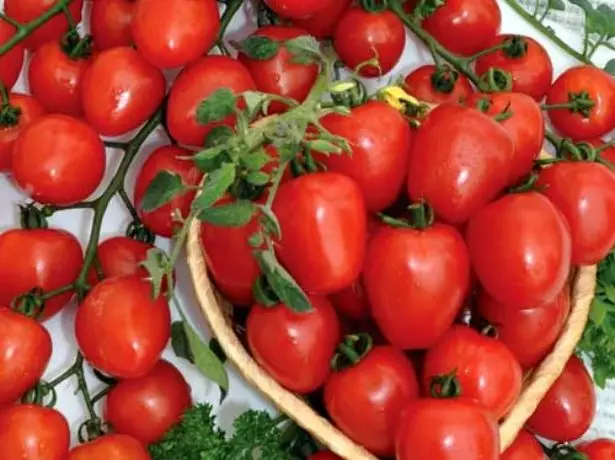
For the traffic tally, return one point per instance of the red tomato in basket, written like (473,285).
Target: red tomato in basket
(120,256)
(525,59)
(599,449)
(323,24)
(299,9)
(446,429)
(111,23)
(29,110)
(110,447)
(295,348)
(571,403)
(536,256)
(324,455)
(193,85)
(361,36)
(460,160)
(525,447)
(365,400)
(528,333)
(11,62)
(429,85)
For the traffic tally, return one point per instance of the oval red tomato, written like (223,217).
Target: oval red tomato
(352,302)
(299,9)
(111,23)
(599,449)
(525,447)
(11,62)
(323,24)
(437,86)
(110,447)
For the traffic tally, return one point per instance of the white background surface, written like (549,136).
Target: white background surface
(241,396)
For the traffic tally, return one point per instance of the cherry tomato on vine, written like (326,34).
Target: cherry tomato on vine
(365,399)
(361,36)
(25,350)
(161,221)
(13,122)
(111,23)
(598,449)
(323,24)
(70,167)
(525,447)
(295,348)
(536,256)
(29,432)
(299,9)
(326,209)
(193,85)
(110,447)
(585,194)
(324,455)
(594,92)
(430,84)
(120,91)
(48,259)
(25,11)
(571,401)
(121,330)
(11,62)
(524,59)
(147,407)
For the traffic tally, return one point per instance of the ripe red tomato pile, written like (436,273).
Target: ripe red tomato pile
(353,229)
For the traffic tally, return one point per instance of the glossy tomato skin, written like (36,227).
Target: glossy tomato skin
(110,447)
(12,62)
(323,24)
(537,255)
(531,69)
(166,158)
(585,193)
(446,429)
(295,348)
(299,9)
(460,161)
(120,91)
(420,84)
(120,329)
(571,401)
(599,449)
(25,11)
(465,26)
(30,110)
(147,407)
(25,350)
(70,167)
(352,302)
(526,127)
(111,23)
(324,455)
(45,258)
(529,333)
(601,89)
(361,36)
(279,75)
(193,85)
(326,209)
(487,371)
(55,79)
(525,447)
(29,432)
(365,400)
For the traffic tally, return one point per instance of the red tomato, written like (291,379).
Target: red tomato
(147,407)
(607,154)
(121,91)
(352,302)
(599,86)
(193,85)
(536,254)
(70,166)
(525,59)
(29,432)
(460,161)
(56,79)
(323,24)
(324,455)
(446,429)
(11,62)
(437,87)
(120,256)
(279,75)
(380,139)
(294,348)
(172,33)
(25,350)
(365,400)
(571,402)
(29,110)
(45,258)
(361,36)
(110,447)
(111,23)
(599,449)
(585,193)
(25,11)
(299,9)
(416,281)
(525,447)
(327,210)
(121,330)
(166,158)
(529,334)
(487,371)
(526,127)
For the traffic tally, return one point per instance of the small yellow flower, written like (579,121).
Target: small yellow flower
(398,98)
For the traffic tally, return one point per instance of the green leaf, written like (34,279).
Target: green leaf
(236,214)
(254,101)
(598,311)
(214,345)
(179,341)
(219,105)
(557,5)
(215,186)
(610,67)
(257,160)
(270,222)
(608,14)
(160,269)
(256,240)
(258,178)
(258,48)
(162,189)
(305,49)
(324,146)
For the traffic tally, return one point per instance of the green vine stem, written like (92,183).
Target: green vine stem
(232,7)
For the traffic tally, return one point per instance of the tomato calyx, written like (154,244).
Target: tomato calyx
(139,232)
(495,80)
(31,218)
(351,351)
(569,150)
(444,79)
(421,216)
(9,114)
(426,8)
(484,104)
(446,386)
(374,6)
(579,102)
(565,452)
(515,47)
(75,46)
(348,93)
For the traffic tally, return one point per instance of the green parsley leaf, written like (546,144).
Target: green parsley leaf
(162,189)
(219,105)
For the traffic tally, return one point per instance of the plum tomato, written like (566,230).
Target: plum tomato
(323,24)
(110,447)
(525,447)
(11,62)
(598,449)
(437,86)
(299,9)
(111,23)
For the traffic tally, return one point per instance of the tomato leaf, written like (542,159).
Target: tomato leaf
(179,342)
(305,49)
(270,222)
(557,5)
(216,348)
(324,146)
(258,47)
(215,186)
(258,178)
(219,105)
(162,189)
(595,21)
(254,101)
(608,14)
(610,67)
(236,214)
(255,161)
(160,269)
